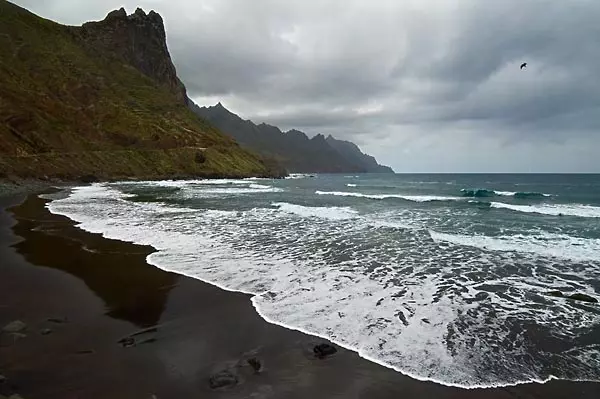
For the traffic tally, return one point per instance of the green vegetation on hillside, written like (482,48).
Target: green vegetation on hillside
(67,110)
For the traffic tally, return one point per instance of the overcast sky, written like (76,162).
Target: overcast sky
(423,85)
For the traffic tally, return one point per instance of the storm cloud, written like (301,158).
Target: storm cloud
(423,85)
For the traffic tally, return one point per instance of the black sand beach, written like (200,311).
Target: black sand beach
(80,294)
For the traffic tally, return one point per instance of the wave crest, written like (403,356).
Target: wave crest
(414,198)
(484,192)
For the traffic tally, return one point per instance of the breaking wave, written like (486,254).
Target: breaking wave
(483,192)
(584,211)
(414,198)
(434,303)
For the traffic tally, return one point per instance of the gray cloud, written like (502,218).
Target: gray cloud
(422,85)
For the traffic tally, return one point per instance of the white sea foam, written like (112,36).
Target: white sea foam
(261,186)
(586,211)
(298,176)
(392,295)
(228,191)
(351,185)
(332,213)
(414,198)
(544,244)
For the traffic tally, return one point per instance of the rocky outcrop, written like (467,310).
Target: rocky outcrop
(140,40)
(293,149)
(323,350)
(223,379)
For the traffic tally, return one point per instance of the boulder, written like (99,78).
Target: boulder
(2,379)
(46,331)
(15,327)
(557,294)
(324,350)
(255,364)
(200,157)
(222,379)
(88,179)
(127,342)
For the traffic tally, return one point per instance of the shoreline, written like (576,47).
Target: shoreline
(196,323)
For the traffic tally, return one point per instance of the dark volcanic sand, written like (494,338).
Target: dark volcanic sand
(106,291)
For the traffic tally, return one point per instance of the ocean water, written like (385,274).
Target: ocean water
(440,277)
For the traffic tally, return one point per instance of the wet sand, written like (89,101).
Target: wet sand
(98,291)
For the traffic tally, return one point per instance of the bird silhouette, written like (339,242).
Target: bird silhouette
(523,65)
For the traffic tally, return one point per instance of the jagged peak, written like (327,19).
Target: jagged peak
(116,14)
(138,15)
(140,40)
(220,108)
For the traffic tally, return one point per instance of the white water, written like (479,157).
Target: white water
(552,245)
(393,298)
(414,198)
(585,211)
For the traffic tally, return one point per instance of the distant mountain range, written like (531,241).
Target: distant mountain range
(293,149)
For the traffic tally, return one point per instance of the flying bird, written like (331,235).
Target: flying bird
(523,65)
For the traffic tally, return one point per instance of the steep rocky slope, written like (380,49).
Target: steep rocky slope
(102,99)
(292,149)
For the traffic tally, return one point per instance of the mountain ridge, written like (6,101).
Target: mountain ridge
(104,100)
(293,149)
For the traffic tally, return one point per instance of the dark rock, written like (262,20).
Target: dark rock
(89,179)
(200,157)
(127,342)
(46,331)
(324,350)
(583,297)
(557,294)
(222,379)
(2,379)
(14,327)
(139,40)
(116,14)
(255,364)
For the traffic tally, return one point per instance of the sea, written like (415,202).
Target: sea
(446,277)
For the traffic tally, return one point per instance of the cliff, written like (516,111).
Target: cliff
(140,40)
(293,149)
(352,153)
(102,99)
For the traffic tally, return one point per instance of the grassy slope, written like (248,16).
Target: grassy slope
(67,112)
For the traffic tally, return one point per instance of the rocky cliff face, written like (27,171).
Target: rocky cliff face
(352,153)
(102,99)
(292,149)
(140,40)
